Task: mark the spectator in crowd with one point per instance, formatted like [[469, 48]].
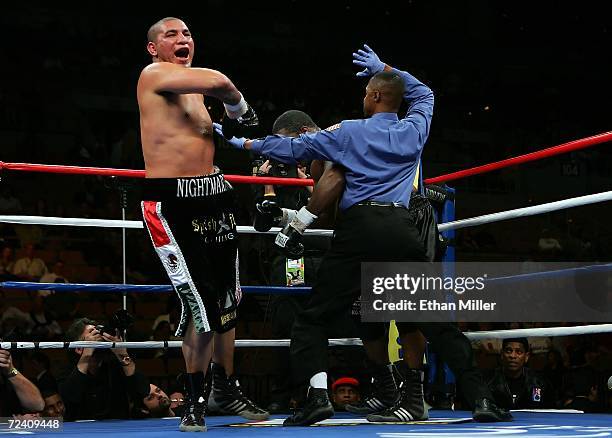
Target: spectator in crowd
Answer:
[[549, 242], [29, 267], [9, 204], [584, 383], [486, 346], [172, 316], [164, 328], [17, 394], [7, 263], [162, 332], [41, 365], [44, 325], [555, 368], [345, 390], [57, 274], [54, 405], [15, 323], [156, 404], [514, 385], [582, 390], [29, 234], [99, 384]]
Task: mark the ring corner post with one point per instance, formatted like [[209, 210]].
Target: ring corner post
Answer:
[[448, 215]]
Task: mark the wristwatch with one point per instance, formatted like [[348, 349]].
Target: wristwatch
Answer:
[[12, 373]]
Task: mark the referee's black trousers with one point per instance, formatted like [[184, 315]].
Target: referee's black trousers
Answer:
[[371, 234], [363, 234]]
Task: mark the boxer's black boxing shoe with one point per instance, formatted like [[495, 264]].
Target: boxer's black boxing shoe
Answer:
[[227, 398], [192, 419]]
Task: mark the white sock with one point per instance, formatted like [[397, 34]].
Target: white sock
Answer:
[[319, 380]]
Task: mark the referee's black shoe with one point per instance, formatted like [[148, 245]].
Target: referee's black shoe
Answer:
[[486, 411], [317, 408]]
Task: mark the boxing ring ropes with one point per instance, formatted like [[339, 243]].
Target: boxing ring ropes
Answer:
[[596, 426]]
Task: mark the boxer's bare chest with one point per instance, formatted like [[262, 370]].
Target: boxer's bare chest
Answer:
[[193, 112]]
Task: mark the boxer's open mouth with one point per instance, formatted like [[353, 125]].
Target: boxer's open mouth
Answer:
[[182, 53]]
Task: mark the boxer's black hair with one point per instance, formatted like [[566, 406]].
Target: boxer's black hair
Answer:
[[291, 122], [154, 29]]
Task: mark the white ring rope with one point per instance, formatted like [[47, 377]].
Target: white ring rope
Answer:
[[114, 223], [463, 223], [493, 334], [527, 211]]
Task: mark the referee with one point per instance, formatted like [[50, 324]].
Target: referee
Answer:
[[380, 154]]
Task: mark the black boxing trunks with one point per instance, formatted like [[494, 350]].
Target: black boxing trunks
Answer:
[[423, 216], [193, 230]]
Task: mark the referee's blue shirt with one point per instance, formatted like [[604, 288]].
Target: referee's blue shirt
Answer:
[[380, 154]]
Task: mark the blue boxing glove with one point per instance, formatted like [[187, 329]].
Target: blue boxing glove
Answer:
[[369, 60], [237, 142]]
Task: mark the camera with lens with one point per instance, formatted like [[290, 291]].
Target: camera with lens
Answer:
[[279, 170], [120, 320]]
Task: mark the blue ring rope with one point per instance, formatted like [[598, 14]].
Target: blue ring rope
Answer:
[[83, 287], [273, 290]]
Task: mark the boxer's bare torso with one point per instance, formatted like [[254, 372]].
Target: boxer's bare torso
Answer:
[[176, 129]]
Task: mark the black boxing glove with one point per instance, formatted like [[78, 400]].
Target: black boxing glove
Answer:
[[240, 121], [267, 214], [289, 241]]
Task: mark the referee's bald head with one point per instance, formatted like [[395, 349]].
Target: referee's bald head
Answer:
[[391, 86]]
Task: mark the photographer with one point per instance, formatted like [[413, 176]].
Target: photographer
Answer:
[[100, 383]]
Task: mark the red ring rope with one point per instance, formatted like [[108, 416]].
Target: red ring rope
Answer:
[[533, 156], [76, 170], [244, 179]]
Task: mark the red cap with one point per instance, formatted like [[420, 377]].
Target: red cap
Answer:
[[345, 381]]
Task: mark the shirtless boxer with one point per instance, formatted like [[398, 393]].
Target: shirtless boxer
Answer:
[[187, 209]]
